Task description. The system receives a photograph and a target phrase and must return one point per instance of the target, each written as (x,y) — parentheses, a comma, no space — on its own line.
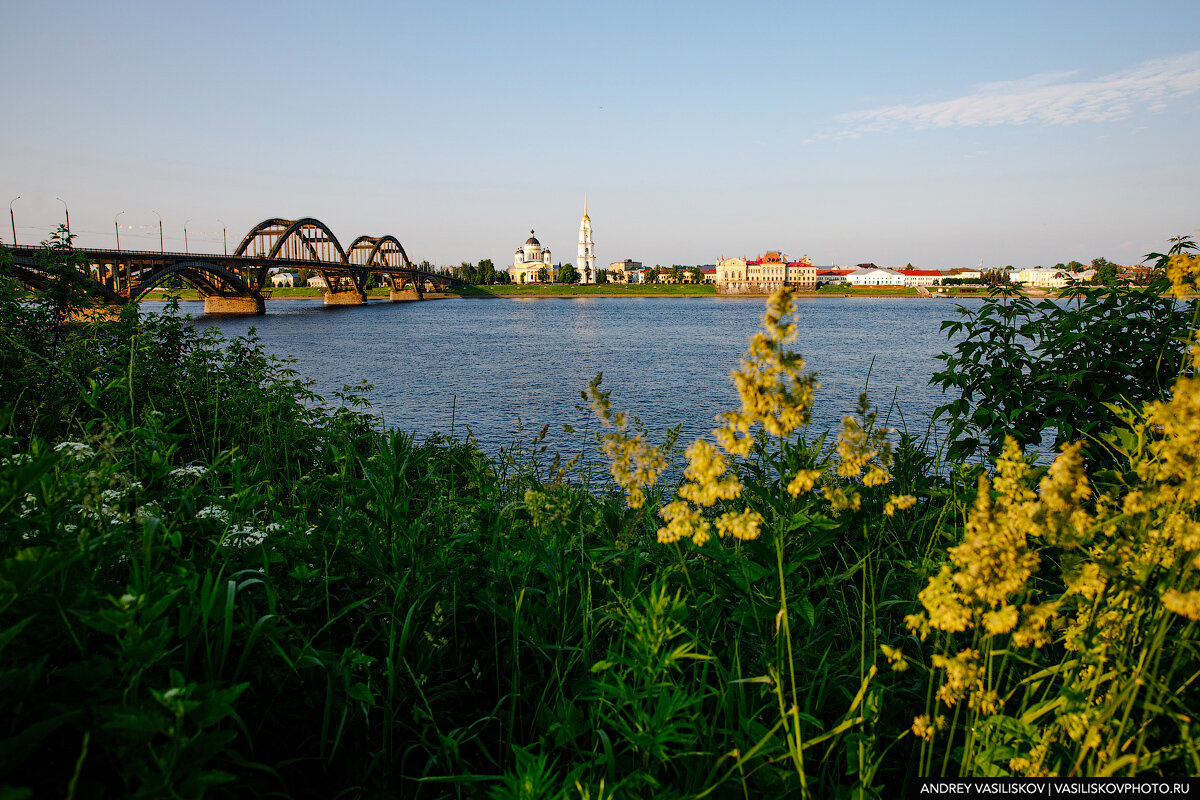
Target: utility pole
(160,237)
(13,219)
(68,211)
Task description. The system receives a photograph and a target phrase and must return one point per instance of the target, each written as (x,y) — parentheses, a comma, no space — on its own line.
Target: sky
(940,134)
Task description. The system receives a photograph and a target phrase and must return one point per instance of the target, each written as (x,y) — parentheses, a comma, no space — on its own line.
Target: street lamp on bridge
(68,212)
(13,219)
(185,245)
(117,228)
(224,241)
(160,239)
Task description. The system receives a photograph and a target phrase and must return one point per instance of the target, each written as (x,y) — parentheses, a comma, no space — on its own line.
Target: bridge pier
(403,295)
(351,298)
(223,304)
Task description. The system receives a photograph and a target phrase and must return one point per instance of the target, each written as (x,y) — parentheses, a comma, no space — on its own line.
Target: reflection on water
(485,363)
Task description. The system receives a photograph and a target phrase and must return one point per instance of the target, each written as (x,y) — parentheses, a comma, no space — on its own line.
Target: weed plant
(214,582)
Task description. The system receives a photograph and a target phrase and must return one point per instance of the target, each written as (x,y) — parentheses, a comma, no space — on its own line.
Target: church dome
(532,241)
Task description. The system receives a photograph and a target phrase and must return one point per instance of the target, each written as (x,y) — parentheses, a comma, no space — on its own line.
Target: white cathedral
(530,259)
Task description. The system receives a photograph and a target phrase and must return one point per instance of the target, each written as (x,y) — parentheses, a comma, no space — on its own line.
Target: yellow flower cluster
(980,587)
(706,484)
(1183,270)
(633,462)
(771,382)
(804,481)
(895,657)
(862,446)
(898,503)
(1128,562)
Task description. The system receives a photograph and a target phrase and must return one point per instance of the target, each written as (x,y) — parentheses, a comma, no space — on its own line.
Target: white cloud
(1049,98)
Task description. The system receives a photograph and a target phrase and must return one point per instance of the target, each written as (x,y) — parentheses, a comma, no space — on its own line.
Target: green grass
(872,291)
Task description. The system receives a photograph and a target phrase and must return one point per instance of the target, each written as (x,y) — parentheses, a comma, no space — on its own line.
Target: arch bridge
(240,283)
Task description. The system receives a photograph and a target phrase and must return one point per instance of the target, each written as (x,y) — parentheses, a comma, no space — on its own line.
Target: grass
(869,291)
(214,582)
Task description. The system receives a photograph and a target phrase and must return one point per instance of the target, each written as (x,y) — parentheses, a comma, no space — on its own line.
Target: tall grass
(212,581)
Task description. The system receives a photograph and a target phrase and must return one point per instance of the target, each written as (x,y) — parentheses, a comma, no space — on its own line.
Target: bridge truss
(240,282)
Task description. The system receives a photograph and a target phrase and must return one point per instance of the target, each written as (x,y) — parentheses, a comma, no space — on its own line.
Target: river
(484,364)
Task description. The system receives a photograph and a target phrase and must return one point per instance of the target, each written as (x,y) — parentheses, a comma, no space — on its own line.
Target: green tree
(485,273)
(696,275)
(676,274)
(651,275)
(1106,272)
(567,274)
(543,274)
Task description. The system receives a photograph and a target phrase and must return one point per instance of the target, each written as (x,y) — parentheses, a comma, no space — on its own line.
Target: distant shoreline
(610,290)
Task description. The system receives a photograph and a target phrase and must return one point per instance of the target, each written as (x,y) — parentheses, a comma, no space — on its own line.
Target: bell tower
(585,261)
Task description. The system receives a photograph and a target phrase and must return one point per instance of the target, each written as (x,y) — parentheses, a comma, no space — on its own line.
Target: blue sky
(939,134)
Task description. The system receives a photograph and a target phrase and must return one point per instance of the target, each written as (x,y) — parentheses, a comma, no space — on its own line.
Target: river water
(484,364)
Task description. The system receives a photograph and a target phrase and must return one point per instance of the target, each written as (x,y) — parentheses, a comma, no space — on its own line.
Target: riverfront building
(875,276)
(585,262)
(764,274)
(624,271)
(529,260)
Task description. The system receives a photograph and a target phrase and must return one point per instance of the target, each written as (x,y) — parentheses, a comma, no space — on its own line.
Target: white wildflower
(76,450)
(247,536)
(190,471)
(214,513)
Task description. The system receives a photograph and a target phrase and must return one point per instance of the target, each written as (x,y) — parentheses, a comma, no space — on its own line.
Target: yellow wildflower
(633,462)
(1002,620)
(923,727)
(742,525)
(895,657)
(804,481)
(771,382)
(964,676)
(1186,604)
(705,471)
(1184,272)
(899,503)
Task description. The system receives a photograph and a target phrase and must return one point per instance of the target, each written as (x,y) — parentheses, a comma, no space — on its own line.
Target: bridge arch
(207,278)
(27,271)
(385,251)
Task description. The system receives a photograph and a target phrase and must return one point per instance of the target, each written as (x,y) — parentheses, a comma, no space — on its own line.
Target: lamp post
(185,244)
(224,241)
(117,228)
(68,212)
(13,219)
(160,239)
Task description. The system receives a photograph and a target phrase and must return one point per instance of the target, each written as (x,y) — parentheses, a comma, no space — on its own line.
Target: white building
(921,277)
(529,260)
(285,279)
(1049,278)
(876,276)
(585,262)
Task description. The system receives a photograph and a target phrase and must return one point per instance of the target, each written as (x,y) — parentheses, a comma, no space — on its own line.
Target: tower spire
(585,216)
